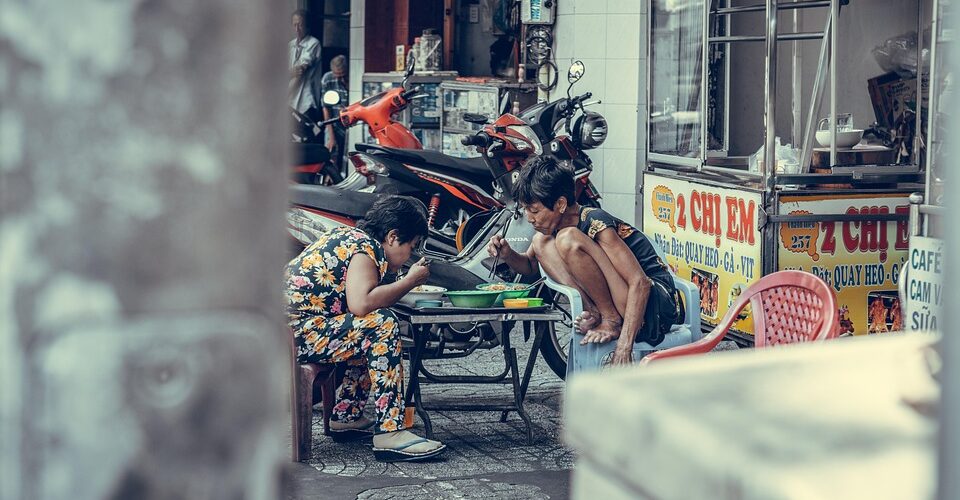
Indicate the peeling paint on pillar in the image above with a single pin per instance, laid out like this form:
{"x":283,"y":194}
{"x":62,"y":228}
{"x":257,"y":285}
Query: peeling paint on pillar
{"x":142,"y":195}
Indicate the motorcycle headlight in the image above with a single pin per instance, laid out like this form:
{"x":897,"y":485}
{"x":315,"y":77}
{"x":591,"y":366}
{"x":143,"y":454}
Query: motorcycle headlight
{"x":531,"y":139}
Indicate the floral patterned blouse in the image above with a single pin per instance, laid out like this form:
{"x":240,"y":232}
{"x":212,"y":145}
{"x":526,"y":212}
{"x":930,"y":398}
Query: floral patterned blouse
{"x":316,"y":280}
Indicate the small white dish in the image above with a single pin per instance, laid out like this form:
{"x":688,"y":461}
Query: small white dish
{"x":845,"y":139}
{"x":422,"y":292}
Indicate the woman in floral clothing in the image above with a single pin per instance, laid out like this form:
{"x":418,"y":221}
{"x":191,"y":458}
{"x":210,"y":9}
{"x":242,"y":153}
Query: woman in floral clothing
{"x":338,"y":310}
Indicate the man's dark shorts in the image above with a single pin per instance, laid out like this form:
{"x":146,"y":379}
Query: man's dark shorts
{"x":662,"y":313}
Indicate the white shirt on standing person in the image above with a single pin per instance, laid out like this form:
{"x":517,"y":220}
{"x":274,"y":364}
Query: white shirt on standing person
{"x":304,"y":59}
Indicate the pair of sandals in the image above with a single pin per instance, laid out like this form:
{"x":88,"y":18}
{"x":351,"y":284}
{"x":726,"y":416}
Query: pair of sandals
{"x":400,"y":453}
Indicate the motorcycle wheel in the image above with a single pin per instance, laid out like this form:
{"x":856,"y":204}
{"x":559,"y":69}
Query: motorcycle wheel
{"x":556,"y":339}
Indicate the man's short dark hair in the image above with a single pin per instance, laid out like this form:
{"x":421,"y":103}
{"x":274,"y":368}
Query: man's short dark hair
{"x":339,"y":63}
{"x":299,"y":12}
{"x":405,"y":214}
{"x":544,"y":179}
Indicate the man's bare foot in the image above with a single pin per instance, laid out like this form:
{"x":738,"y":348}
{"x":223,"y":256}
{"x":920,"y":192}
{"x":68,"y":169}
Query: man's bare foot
{"x":608,"y":329}
{"x":586,"y":320}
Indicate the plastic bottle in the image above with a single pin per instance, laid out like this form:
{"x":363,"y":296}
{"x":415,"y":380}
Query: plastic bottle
{"x":430,"y":50}
{"x":415,"y":51}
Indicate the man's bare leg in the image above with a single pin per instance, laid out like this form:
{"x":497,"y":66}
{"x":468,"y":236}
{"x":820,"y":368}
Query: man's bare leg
{"x":549,"y":257}
{"x":597,"y":278}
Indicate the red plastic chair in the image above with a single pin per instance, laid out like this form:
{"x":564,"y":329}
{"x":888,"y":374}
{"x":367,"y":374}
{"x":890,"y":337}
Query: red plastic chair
{"x":787,"y":307}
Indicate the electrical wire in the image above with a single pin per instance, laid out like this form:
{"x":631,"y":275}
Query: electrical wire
{"x":547,"y":66}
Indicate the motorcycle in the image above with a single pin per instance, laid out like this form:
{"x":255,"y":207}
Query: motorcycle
{"x":376,"y":112}
{"x":311,"y":159}
{"x":460,"y":191}
{"x":503,"y":146}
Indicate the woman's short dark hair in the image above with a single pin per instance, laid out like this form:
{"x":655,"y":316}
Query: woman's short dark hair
{"x":544,"y":179}
{"x":405,"y":214}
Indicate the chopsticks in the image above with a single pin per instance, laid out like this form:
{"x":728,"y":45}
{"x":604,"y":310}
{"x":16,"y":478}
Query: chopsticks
{"x":496,"y":258}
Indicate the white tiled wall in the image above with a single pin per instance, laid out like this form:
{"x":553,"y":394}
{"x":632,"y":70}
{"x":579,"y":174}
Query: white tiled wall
{"x":609,"y":37}
{"x":356,"y":63}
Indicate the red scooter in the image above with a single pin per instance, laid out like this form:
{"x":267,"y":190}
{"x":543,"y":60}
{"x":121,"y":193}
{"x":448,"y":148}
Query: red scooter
{"x":376,"y":111}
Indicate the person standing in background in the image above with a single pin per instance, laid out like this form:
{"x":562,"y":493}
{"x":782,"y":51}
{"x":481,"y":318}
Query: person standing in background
{"x":304,"y":60}
{"x":337,"y":79}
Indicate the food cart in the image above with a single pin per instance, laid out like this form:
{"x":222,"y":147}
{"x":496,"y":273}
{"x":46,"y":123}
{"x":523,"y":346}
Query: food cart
{"x":726,"y":217}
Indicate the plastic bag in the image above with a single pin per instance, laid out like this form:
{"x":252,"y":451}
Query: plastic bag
{"x":899,"y":54}
{"x":788,"y":158}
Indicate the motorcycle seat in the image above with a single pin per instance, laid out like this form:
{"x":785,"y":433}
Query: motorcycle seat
{"x":474,"y":170}
{"x":308,"y":154}
{"x":352,"y":204}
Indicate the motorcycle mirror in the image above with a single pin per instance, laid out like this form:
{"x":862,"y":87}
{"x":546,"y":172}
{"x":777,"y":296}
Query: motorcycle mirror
{"x":505,"y":103}
{"x":575,"y":73}
{"x":331,"y":98}
{"x":475,"y":118}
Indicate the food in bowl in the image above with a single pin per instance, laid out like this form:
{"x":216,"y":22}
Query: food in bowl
{"x":515,"y":303}
{"x":422,"y":292}
{"x":503,"y":287}
{"x":507,"y":290}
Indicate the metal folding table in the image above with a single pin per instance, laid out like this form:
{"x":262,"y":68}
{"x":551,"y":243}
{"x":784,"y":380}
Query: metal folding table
{"x":437,"y":347}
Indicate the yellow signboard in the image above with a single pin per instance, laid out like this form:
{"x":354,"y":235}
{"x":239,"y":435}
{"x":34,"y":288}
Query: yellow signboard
{"x":860,"y":260}
{"x":710,"y":237}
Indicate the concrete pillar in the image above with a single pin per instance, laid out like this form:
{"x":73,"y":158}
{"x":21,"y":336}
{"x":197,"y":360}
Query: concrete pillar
{"x":142,"y":189}
{"x":949,"y":482}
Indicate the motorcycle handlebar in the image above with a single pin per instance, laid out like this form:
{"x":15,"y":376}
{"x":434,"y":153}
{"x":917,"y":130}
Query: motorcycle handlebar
{"x":571,"y":105}
{"x":407,"y":94}
{"x":328,"y":122}
{"x":480,"y":140}
{"x":580,"y":99}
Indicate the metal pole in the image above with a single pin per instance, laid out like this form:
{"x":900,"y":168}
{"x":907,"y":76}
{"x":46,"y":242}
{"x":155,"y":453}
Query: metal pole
{"x":795,"y":92}
{"x":934,"y":103}
{"x":728,"y":28}
{"x":786,"y":37}
{"x":835,"y":14}
{"x":806,"y":152}
{"x":783,"y":6}
{"x":769,"y":102}
{"x":917,"y":140}
{"x":704,"y":82}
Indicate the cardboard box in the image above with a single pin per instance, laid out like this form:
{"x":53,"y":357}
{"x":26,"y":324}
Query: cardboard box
{"x":891,"y":94}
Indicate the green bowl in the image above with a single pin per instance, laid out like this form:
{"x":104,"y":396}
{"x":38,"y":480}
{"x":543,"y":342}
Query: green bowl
{"x":472,"y":298}
{"x":508,"y":294}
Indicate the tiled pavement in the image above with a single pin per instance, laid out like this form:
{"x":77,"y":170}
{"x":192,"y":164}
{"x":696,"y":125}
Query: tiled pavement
{"x":481,"y":449}
{"x":486,"y":458}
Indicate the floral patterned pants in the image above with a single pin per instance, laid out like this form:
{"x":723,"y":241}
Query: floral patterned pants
{"x":370,"y":347}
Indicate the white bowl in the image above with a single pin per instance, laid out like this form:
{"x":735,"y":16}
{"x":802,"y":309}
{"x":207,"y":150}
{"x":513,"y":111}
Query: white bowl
{"x":422,"y":292}
{"x":845,"y":139}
